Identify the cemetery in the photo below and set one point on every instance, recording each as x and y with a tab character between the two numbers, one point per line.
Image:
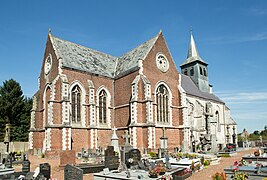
131	163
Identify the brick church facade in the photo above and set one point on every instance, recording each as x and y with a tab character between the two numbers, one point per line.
84	93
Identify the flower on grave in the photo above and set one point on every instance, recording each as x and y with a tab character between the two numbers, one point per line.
184	172
235	169
130	160
240	176
166	177
153	173
236	163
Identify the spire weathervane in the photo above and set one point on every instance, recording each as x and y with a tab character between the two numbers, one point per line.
49	31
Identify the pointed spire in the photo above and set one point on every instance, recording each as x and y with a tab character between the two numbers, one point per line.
192	51
192	54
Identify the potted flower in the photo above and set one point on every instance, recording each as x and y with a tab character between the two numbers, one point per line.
153	173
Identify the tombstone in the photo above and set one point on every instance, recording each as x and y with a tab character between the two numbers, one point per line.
132	157
45	169
111	161
26	166
110	151
72	172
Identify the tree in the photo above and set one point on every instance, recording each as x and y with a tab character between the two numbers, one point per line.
15	110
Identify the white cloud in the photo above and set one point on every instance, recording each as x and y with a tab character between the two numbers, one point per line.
244	97
260	36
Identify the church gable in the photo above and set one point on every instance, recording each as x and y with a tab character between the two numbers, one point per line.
159	60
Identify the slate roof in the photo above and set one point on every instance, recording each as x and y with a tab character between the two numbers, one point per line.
81	58
190	88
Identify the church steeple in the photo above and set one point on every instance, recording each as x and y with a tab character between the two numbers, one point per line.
195	67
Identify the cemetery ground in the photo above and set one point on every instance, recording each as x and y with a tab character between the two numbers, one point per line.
206	173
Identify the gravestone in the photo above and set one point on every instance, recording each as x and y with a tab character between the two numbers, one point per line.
72	173
26	166
132	157
45	169
111	161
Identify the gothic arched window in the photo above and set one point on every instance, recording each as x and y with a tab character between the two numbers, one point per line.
76	104
162	104
102	113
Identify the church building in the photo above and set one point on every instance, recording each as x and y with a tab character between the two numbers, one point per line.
84	95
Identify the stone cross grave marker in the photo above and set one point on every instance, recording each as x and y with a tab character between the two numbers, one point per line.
127	136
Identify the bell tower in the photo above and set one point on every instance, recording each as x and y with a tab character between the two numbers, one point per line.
195	67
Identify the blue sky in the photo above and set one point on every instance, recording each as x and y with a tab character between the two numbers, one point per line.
231	37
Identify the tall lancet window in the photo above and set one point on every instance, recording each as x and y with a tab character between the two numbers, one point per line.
76	104
162	104
102	113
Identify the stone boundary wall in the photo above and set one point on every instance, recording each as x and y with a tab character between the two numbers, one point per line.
15	146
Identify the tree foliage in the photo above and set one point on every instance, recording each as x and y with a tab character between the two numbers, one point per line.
15	110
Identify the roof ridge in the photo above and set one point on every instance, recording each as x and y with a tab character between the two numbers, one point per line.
156	37
81	46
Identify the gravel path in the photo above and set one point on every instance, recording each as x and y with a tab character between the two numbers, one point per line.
208	172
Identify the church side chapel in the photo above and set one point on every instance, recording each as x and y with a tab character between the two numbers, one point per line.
84	94
86	98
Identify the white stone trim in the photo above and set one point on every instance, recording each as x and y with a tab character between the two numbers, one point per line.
92	138
64	139
91	101
96	138
133	104
30	140
150	137
154	135
69	140
134	136
65	103
48	139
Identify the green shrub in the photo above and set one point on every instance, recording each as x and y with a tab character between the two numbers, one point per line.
225	155
152	154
